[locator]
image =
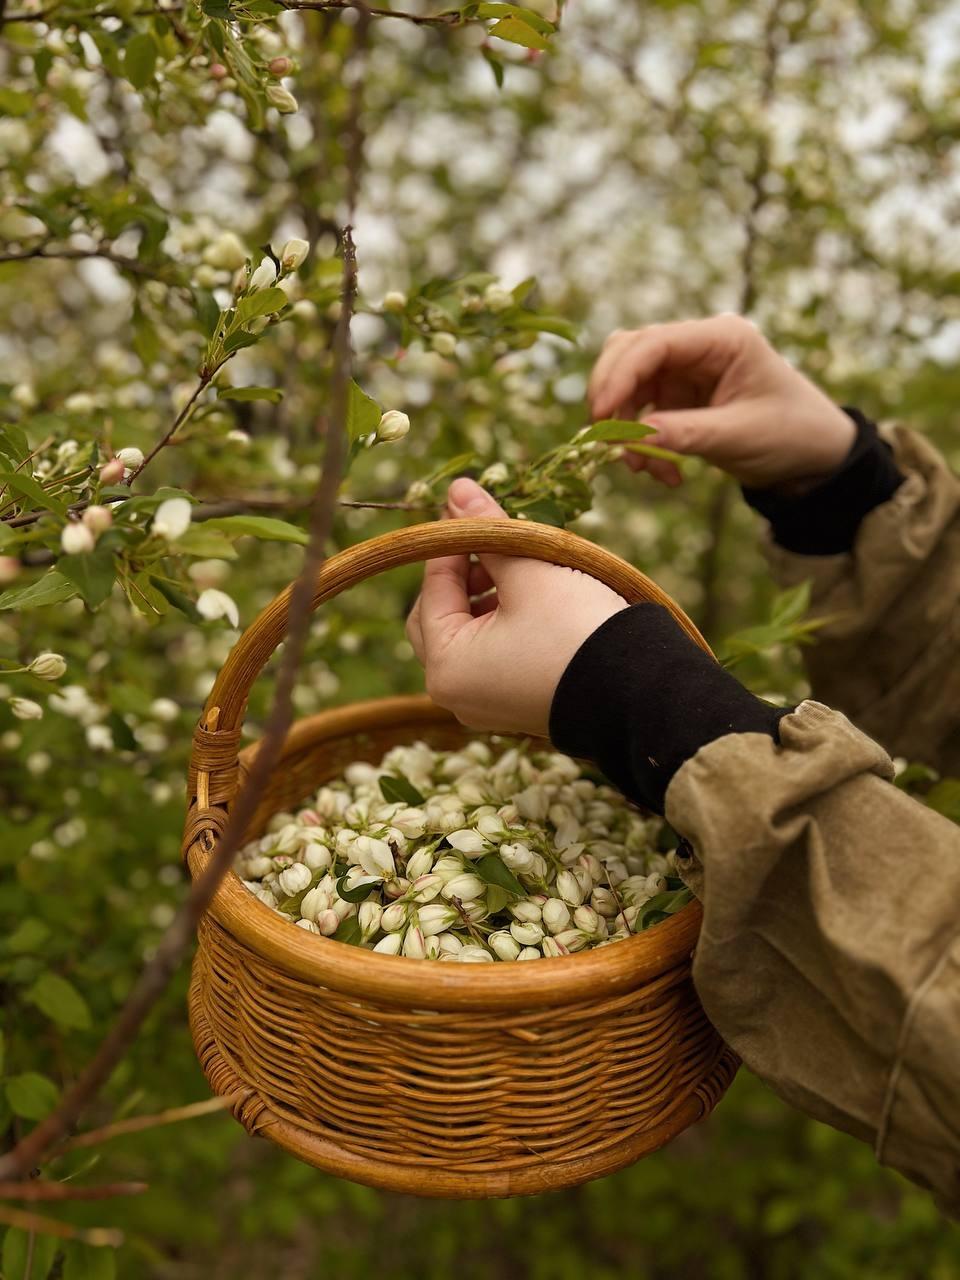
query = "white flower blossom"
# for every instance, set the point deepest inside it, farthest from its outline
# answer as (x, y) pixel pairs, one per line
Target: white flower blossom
(394, 425)
(264, 275)
(171, 519)
(293, 254)
(214, 604)
(25, 708)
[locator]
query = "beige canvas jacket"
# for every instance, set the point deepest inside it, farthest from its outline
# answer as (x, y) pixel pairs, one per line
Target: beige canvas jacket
(830, 951)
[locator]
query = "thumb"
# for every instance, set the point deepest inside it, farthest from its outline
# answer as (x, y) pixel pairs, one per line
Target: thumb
(465, 498)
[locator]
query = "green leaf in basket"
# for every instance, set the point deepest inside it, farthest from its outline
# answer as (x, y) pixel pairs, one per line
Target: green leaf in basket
(660, 906)
(396, 789)
(357, 894)
(493, 871)
(349, 932)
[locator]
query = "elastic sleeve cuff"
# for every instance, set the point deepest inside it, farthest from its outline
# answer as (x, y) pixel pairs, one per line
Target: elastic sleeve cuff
(640, 698)
(824, 520)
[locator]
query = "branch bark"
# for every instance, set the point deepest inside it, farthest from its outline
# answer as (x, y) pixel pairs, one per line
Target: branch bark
(179, 936)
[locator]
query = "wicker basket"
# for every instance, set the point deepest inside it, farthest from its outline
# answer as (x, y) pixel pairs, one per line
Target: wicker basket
(440, 1080)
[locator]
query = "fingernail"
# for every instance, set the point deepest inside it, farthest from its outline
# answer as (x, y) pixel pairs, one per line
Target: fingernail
(466, 498)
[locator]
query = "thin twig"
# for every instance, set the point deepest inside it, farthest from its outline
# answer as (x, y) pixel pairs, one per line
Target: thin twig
(178, 422)
(59, 1191)
(447, 19)
(136, 1124)
(177, 939)
(120, 260)
(102, 1237)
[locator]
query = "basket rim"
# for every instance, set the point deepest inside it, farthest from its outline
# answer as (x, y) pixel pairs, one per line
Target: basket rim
(398, 980)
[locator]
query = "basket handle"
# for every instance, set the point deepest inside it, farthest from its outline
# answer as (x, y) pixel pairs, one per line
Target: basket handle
(213, 764)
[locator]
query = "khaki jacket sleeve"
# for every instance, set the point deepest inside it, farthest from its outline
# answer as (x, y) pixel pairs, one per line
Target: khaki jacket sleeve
(830, 952)
(890, 655)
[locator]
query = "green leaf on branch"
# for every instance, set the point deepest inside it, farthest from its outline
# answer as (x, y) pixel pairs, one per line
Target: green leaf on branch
(239, 339)
(493, 9)
(790, 606)
(273, 394)
(495, 65)
(542, 510)
(60, 1001)
(493, 871)
(654, 451)
(945, 798)
(210, 544)
(265, 302)
(52, 588)
(27, 487)
(363, 413)
(268, 528)
(87, 1262)
(616, 430)
(173, 595)
(558, 325)
(519, 32)
(207, 311)
(27, 1254)
(31, 1095)
(396, 789)
(93, 574)
(140, 60)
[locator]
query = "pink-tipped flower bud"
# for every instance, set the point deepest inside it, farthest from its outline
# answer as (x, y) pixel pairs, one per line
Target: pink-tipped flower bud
(218, 71)
(112, 472)
(97, 519)
(9, 569)
(280, 66)
(328, 922)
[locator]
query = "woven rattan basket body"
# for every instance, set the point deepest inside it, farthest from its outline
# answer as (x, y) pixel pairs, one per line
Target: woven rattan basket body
(442, 1080)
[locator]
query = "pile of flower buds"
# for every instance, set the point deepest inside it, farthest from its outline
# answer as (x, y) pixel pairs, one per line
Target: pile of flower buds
(471, 856)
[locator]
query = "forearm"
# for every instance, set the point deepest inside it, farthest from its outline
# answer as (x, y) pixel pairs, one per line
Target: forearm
(888, 654)
(830, 951)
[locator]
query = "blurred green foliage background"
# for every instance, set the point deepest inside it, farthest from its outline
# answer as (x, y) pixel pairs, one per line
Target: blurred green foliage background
(796, 161)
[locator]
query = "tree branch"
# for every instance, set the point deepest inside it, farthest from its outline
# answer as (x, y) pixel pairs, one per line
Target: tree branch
(448, 19)
(136, 1124)
(178, 422)
(175, 942)
(26, 1221)
(63, 1191)
(42, 251)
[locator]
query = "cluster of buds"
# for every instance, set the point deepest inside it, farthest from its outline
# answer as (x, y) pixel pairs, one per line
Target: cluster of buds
(468, 856)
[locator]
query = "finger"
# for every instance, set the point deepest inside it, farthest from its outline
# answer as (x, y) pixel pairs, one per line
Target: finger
(665, 472)
(479, 581)
(444, 603)
(718, 435)
(696, 348)
(466, 498)
(635, 461)
(414, 630)
(611, 352)
(484, 604)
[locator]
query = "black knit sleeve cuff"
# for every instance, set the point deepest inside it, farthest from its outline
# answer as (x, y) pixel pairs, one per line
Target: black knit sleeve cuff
(639, 698)
(824, 520)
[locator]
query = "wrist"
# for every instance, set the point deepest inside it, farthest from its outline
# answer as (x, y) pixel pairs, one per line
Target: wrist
(640, 698)
(823, 517)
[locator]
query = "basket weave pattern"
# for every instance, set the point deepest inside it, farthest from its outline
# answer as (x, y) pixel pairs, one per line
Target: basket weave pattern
(439, 1079)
